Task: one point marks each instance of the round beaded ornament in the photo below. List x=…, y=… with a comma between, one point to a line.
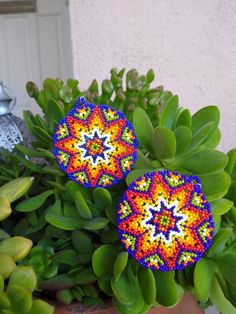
x=164, y=220
x=95, y=145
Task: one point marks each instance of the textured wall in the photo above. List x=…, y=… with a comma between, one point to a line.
x=191, y=45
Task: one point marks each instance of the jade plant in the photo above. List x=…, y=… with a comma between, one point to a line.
x=77, y=254
x=17, y=282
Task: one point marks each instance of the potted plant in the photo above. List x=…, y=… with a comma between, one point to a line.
x=77, y=255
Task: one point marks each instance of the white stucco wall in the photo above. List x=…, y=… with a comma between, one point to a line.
x=191, y=45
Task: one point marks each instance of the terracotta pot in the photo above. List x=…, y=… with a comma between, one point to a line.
x=187, y=305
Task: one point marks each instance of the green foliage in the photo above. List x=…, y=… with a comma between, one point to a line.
x=203, y=273
x=17, y=283
x=76, y=249
x=167, y=293
x=147, y=285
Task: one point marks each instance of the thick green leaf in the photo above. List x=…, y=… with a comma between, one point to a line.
x=7, y=265
x=41, y=307
x=1, y=283
x=33, y=203
x=45, y=153
x=4, y=301
x=138, y=304
x=23, y=276
x=50, y=271
x=201, y=135
x=77, y=292
x=223, y=284
x=142, y=161
x=165, y=96
x=57, y=233
x=232, y=191
x=233, y=215
x=66, y=94
x=202, y=276
x=55, y=217
x=217, y=297
x=120, y=265
x=90, y=291
x=143, y=128
x=67, y=257
x=232, y=160
x=221, y=206
x=203, y=117
x=122, y=289
x=183, y=137
x=231, y=294
x=214, y=140
x=17, y=247
x=42, y=135
x=29, y=120
x=168, y=114
x=64, y=223
x=85, y=276
x=153, y=100
x=20, y=298
x=150, y=76
x=104, y=284
x=116, y=80
x=30, y=165
x=72, y=187
x=96, y=223
x=102, y=198
x=103, y=259
x=164, y=143
x=28, y=151
x=3, y=235
x=226, y=264
x=107, y=87
x=219, y=242
x=58, y=282
x=154, y=164
x=136, y=307
x=69, y=210
x=201, y=162
x=215, y=185
x=184, y=119
x=64, y=296
x=50, y=90
x=217, y=222
x=5, y=207
x=72, y=83
x=83, y=245
x=148, y=285
x=32, y=89
x=166, y=291
x=82, y=206
x=54, y=110
x=16, y=188
x=53, y=171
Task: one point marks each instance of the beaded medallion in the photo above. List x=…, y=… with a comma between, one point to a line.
x=164, y=220
x=95, y=145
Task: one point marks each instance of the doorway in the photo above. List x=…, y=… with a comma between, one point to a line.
x=34, y=46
